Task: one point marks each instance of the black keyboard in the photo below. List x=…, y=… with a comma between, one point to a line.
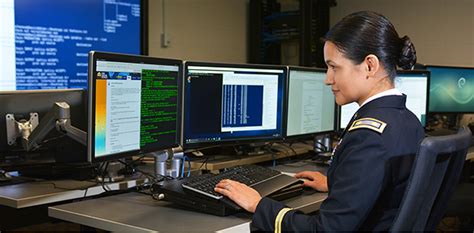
x=250, y=175
x=197, y=192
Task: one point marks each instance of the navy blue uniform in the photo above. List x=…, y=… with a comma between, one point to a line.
x=367, y=177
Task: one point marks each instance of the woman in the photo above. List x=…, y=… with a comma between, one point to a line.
x=372, y=162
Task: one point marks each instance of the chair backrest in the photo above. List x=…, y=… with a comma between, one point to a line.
x=434, y=175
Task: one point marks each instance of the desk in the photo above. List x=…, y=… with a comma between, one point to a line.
x=134, y=212
x=140, y=213
x=26, y=203
x=46, y=192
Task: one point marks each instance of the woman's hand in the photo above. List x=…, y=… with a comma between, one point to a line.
x=246, y=197
x=315, y=180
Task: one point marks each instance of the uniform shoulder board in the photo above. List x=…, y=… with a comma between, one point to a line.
x=368, y=123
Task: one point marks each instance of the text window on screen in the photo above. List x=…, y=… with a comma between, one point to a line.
x=309, y=103
x=416, y=91
x=249, y=102
x=118, y=128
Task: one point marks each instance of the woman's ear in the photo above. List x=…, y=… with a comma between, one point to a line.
x=372, y=65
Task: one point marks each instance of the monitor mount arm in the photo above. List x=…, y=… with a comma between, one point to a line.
x=32, y=133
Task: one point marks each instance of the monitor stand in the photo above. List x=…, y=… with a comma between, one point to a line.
x=252, y=149
x=160, y=158
x=111, y=173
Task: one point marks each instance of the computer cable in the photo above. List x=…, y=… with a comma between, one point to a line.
x=189, y=165
x=183, y=160
x=55, y=186
x=52, y=139
x=323, y=148
x=291, y=148
x=268, y=148
x=145, y=191
x=204, y=164
x=85, y=193
x=290, y=158
x=104, y=170
x=148, y=175
x=139, y=159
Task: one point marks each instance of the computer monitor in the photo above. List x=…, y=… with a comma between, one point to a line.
x=232, y=103
x=311, y=105
x=414, y=84
x=44, y=44
x=55, y=147
x=134, y=105
x=451, y=89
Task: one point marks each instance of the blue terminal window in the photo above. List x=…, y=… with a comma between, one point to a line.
x=451, y=89
x=232, y=103
x=45, y=43
x=414, y=84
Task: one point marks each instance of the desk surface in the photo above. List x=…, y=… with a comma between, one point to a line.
x=45, y=192
x=140, y=213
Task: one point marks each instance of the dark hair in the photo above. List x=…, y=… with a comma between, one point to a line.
x=362, y=33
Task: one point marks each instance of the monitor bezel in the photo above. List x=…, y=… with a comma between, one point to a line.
x=94, y=56
x=415, y=71
x=144, y=6
x=238, y=141
x=287, y=96
x=427, y=66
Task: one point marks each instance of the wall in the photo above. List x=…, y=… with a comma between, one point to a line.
x=216, y=30
x=208, y=30
x=442, y=30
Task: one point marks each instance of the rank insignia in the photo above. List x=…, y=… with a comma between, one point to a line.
x=368, y=123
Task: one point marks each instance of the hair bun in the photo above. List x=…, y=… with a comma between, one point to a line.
x=407, y=58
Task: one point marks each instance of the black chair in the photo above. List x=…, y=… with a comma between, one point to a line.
x=434, y=176
x=461, y=205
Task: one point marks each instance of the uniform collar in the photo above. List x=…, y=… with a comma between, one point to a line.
x=390, y=101
x=392, y=91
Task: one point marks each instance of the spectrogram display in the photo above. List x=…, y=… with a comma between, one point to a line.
x=100, y=117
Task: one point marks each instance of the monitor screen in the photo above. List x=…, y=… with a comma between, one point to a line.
x=134, y=105
x=310, y=103
x=44, y=43
x=451, y=89
x=225, y=103
x=414, y=84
